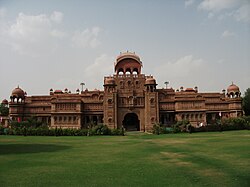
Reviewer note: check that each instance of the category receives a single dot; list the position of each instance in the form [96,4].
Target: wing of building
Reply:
[130,99]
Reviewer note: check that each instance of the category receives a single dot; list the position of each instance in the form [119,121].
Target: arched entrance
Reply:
[131,122]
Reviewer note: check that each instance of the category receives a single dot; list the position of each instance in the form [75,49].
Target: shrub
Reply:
[118,132]
[247,124]
[209,128]
[101,129]
[238,123]
[158,128]
[181,126]
[1,130]
[234,123]
[22,129]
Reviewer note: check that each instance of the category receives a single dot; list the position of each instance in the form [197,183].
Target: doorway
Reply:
[131,122]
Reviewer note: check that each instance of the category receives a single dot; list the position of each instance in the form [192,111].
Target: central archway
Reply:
[131,122]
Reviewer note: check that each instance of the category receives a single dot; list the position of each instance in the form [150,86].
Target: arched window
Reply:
[121,84]
[128,71]
[182,116]
[109,101]
[196,116]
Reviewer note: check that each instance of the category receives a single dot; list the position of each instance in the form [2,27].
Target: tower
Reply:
[130,97]
[17,100]
[110,102]
[234,99]
[151,103]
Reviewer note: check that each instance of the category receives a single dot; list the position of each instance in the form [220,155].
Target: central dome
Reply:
[128,62]
[128,55]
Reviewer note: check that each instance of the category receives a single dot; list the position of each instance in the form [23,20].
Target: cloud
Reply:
[37,35]
[185,65]
[3,12]
[217,5]
[95,72]
[210,15]
[189,2]
[58,33]
[86,38]
[227,34]
[57,16]
[33,35]
[243,13]
[238,10]
[184,70]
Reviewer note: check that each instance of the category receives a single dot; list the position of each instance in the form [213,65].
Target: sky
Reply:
[60,43]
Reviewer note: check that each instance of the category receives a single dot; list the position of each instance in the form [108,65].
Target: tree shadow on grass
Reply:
[30,148]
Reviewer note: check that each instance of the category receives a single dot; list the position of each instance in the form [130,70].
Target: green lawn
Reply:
[201,159]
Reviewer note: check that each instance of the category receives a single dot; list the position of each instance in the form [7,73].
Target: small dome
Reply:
[151,81]
[5,102]
[233,88]
[109,81]
[18,92]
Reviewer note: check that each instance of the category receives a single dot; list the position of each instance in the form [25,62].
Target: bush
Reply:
[30,122]
[1,130]
[239,123]
[247,124]
[209,128]
[158,128]
[234,124]
[181,126]
[101,129]
[118,132]
[21,129]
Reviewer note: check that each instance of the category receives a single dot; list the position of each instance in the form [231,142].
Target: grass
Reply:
[201,159]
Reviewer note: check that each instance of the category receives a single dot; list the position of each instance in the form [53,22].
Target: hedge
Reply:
[239,123]
[45,131]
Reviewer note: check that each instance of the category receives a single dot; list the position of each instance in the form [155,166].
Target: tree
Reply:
[4,110]
[246,102]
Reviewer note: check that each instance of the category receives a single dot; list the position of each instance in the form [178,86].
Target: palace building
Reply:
[130,99]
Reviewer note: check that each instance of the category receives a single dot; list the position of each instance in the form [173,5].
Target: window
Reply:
[109,101]
[110,120]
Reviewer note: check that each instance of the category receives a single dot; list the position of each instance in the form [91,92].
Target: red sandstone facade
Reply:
[129,99]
